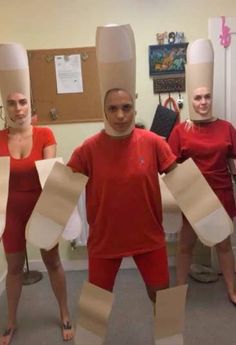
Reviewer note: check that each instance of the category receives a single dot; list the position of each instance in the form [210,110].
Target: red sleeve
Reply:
[78,161]
[49,138]
[165,156]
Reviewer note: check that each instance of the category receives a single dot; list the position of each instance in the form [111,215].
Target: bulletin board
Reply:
[56,108]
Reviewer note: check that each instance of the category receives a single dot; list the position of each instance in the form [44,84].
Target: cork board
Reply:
[53,108]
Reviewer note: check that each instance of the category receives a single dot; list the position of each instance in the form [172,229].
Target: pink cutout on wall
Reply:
[225,37]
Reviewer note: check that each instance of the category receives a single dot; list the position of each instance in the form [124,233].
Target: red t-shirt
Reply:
[122,195]
[210,145]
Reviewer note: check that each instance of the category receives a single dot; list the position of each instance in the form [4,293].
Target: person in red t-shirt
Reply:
[210,142]
[123,196]
[24,144]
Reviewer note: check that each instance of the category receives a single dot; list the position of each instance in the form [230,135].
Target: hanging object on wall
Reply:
[167,67]
[165,117]
[179,37]
[169,84]
[225,37]
[171,37]
[161,37]
[180,101]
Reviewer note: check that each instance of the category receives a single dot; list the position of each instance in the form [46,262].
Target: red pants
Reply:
[153,267]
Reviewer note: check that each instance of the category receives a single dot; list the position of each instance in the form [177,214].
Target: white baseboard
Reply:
[76,265]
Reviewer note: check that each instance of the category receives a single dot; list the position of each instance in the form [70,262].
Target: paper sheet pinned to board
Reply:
[68,73]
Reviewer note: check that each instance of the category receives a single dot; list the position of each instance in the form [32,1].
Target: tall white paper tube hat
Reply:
[14,76]
[115,50]
[199,72]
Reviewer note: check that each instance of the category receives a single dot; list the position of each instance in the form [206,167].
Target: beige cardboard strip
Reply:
[116,66]
[170,313]
[169,203]
[95,306]
[44,167]
[42,231]
[214,228]
[60,194]
[56,203]
[199,203]
[174,340]
[198,75]
[172,215]
[123,76]
[4,185]
[74,225]
[14,81]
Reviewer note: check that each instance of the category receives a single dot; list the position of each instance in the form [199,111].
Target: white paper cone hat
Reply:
[115,49]
[14,75]
[199,72]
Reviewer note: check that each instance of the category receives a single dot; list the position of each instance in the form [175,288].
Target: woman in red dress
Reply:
[25,144]
[210,142]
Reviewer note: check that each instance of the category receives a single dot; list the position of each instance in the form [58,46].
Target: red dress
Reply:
[210,145]
[24,187]
[123,195]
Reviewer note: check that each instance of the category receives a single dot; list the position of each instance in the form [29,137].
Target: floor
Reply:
[210,318]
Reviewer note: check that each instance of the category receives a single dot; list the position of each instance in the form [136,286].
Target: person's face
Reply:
[202,101]
[17,108]
[119,110]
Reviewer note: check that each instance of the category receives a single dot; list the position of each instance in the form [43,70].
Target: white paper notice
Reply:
[68,73]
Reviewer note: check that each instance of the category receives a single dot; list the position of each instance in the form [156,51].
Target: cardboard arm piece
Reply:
[170,315]
[172,215]
[4,186]
[54,207]
[95,305]
[199,203]
[74,226]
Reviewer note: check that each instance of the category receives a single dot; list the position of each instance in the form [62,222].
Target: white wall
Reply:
[72,23]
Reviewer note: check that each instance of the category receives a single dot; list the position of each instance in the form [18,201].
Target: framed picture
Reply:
[167,59]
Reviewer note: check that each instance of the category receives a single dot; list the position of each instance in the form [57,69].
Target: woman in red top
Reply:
[25,144]
[210,142]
